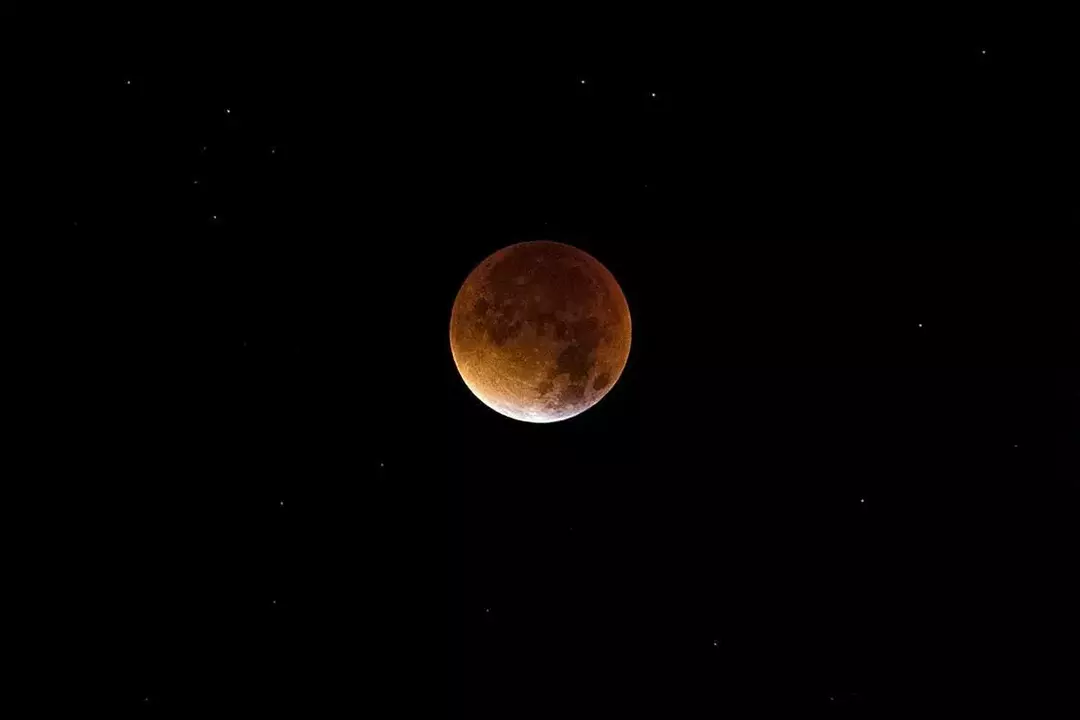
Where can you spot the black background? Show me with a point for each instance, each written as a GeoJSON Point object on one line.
{"type": "Point", "coordinates": [279, 498]}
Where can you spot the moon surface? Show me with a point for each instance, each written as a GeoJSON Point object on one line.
{"type": "Point", "coordinates": [540, 331]}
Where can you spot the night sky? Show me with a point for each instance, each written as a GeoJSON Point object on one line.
{"type": "Point", "coordinates": [838, 475]}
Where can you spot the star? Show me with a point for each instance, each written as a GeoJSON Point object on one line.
{"type": "Point", "coordinates": [127, 82]}
{"type": "Point", "coordinates": [487, 610]}
{"type": "Point", "coordinates": [716, 643]}
{"type": "Point", "coordinates": [213, 217]}
{"type": "Point", "coordinates": [983, 52]}
{"type": "Point", "coordinates": [1016, 446]}
{"type": "Point", "coordinates": [582, 82]}
{"type": "Point", "coordinates": [382, 464]}
{"type": "Point", "coordinates": [282, 503]}
{"type": "Point", "coordinates": [273, 151]}
{"type": "Point", "coordinates": [273, 602]}
{"type": "Point", "coordinates": [195, 182]}
{"type": "Point", "coordinates": [228, 111]}
{"type": "Point", "coordinates": [653, 94]}
{"type": "Point", "coordinates": [862, 500]}
{"type": "Point", "coordinates": [920, 324]}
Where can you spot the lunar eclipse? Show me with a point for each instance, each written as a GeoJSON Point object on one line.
{"type": "Point", "coordinates": [540, 331]}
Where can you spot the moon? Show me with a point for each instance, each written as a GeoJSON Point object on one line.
{"type": "Point", "coordinates": [540, 331]}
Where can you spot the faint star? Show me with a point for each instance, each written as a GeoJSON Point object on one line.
{"type": "Point", "coordinates": [382, 464]}
{"type": "Point", "coordinates": [716, 643]}
{"type": "Point", "coordinates": [282, 503]}
{"type": "Point", "coordinates": [203, 149]}
{"type": "Point", "coordinates": [196, 182]}
{"type": "Point", "coordinates": [273, 150]}
{"type": "Point", "coordinates": [487, 610]}
{"type": "Point", "coordinates": [274, 602]}
{"type": "Point", "coordinates": [1016, 446]}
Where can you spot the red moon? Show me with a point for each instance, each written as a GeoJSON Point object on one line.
{"type": "Point", "coordinates": [540, 331]}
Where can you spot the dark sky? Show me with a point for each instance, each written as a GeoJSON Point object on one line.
{"type": "Point", "coordinates": [839, 473]}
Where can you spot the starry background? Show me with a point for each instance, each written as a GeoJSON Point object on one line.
{"type": "Point", "coordinates": [837, 476]}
